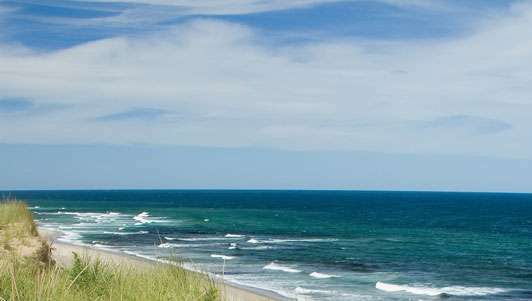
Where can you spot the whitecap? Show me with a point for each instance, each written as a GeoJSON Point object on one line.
{"type": "Point", "coordinates": [322, 275]}
{"type": "Point", "coordinates": [299, 240]}
{"type": "Point", "coordinates": [125, 233]}
{"type": "Point", "coordinates": [233, 246]}
{"type": "Point", "coordinates": [432, 291]}
{"type": "Point", "coordinates": [234, 236]}
{"type": "Point", "coordinates": [142, 218]}
{"type": "Point", "coordinates": [253, 241]}
{"type": "Point", "coordinates": [259, 248]}
{"type": "Point", "coordinates": [224, 257]}
{"type": "Point", "coordinates": [276, 267]}
{"type": "Point", "coordinates": [167, 245]}
{"type": "Point", "coordinates": [201, 238]}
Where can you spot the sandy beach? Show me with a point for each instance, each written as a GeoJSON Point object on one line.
{"type": "Point", "coordinates": [62, 253]}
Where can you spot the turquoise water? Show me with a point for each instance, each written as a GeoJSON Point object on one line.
{"type": "Point", "coordinates": [316, 245]}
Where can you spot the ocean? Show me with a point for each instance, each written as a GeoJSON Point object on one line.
{"type": "Point", "coordinates": [315, 245]}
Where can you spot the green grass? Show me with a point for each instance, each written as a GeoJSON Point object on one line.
{"type": "Point", "coordinates": [36, 278]}
{"type": "Point", "coordinates": [17, 217]}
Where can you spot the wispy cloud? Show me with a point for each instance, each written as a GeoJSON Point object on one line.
{"type": "Point", "coordinates": [469, 124]}
{"type": "Point", "coordinates": [155, 13]}
{"type": "Point", "coordinates": [143, 114]}
{"type": "Point", "coordinates": [239, 91]}
{"type": "Point", "coordinates": [215, 7]}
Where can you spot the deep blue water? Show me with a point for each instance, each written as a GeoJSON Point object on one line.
{"type": "Point", "coordinates": [316, 245]}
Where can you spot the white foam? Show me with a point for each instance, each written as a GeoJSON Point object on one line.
{"type": "Point", "coordinates": [288, 240]}
{"type": "Point", "coordinates": [299, 240]}
{"type": "Point", "coordinates": [306, 291]}
{"type": "Point", "coordinates": [169, 238]}
{"type": "Point", "coordinates": [234, 236]}
{"type": "Point", "coordinates": [206, 220]}
{"type": "Point", "coordinates": [276, 267]}
{"type": "Point", "coordinates": [142, 256]}
{"type": "Point", "coordinates": [167, 245]}
{"type": "Point", "coordinates": [224, 257]}
{"type": "Point", "coordinates": [125, 233]}
{"type": "Point", "coordinates": [202, 238]}
{"type": "Point", "coordinates": [142, 218]}
{"type": "Point", "coordinates": [100, 246]}
{"type": "Point", "coordinates": [170, 245]}
{"type": "Point", "coordinates": [69, 236]}
{"type": "Point", "coordinates": [259, 248]}
{"type": "Point", "coordinates": [432, 291]}
{"type": "Point", "coordinates": [322, 275]}
{"type": "Point", "coordinates": [233, 246]}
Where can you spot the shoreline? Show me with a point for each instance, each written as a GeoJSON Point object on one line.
{"type": "Point", "coordinates": [230, 291]}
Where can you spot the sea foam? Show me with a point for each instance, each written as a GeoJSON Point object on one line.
{"type": "Point", "coordinates": [276, 267]}
{"type": "Point", "coordinates": [142, 218]}
{"type": "Point", "coordinates": [321, 275]}
{"type": "Point", "coordinates": [432, 291]}
{"type": "Point", "coordinates": [234, 236]}
{"type": "Point", "coordinates": [224, 257]}
{"type": "Point", "coordinates": [125, 233]}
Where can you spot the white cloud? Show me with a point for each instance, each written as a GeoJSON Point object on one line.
{"type": "Point", "coordinates": [212, 7]}
{"type": "Point", "coordinates": [219, 86]}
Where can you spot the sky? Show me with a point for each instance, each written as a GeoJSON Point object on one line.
{"type": "Point", "coordinates": [300, 94]}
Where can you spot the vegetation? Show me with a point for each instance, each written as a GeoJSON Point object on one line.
{"type": "Point", "coordinates": [27, 271]}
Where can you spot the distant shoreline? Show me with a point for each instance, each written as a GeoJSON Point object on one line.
{"type": "Point", "coordinates": [62, 253]}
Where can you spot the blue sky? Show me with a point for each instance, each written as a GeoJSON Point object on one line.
{"type": "Point", "coordinates": [409, 82]}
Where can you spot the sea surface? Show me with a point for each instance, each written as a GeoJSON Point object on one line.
{"type": "Point", "coordinates": [315, 245]}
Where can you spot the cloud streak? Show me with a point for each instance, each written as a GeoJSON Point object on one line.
{"type": "Point", "coordinates": [231, 7]}
{"type": "Point", "coordinates": [231, 89]}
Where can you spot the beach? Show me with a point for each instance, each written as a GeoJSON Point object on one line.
{"type": "Point", "coordinates": [62, 253]}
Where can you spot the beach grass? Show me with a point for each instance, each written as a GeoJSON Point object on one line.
{"type": "Point", "coordinates": [27, 271]}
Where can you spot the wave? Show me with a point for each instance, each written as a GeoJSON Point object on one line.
{"type": "Point", "coordinates": [168, 245]}
{"type": "Point", "coordinates": [201, 238]}
{"type": "Point", "coordinates": [259, 248]}
{"type": "Point", "coordinates": [322, 276]}
{"type": "Point", "coordinates": [125, 233]}
{"type": "Point", "coordinates": [234, 235]}
{"type": "Point", "coordinates": [224, 257]}
{"type": "Point", "coordinates": [287, 240]}
{"type": "Point", "coordinates": [306, 291]}
{"type": "Point", "coordinates": [276, 267]}
{"type": "Point", "coordinates": [169, 238]}
{"type": "Point", "coordinates": [102, 247]}
{"type": "Point", "coordinates": [142, 218]}
{"type": "Point", "coordinates": [69, 236]}
{"type": "Point", "coordinates": [432, 291]}
{"type": "Point", "coordinates": [233, 246]}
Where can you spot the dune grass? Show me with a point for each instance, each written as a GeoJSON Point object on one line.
{"type": "Point", "coordinates": [33, 275]}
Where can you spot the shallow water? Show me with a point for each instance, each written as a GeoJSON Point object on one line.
{"type": "Point", "coordinates": [316, 245]}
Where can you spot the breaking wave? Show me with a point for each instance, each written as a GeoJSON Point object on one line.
{"type": "Point", "coordinates": [432, 291]}
{"type": "Point", "coordinates": [276, 267]}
